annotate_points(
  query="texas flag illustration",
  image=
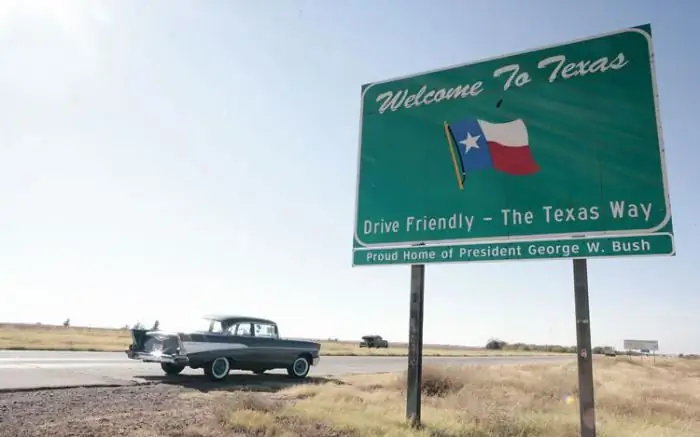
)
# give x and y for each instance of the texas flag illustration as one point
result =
(482, 145)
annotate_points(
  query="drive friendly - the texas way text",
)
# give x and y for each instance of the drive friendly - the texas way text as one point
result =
(618, 209)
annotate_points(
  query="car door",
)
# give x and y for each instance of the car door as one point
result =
(268, 351)
(240, 335)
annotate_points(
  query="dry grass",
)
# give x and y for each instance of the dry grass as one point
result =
(634, 398)
(49, 337)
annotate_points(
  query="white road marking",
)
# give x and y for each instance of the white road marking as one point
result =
(36, 360)
(29, 366)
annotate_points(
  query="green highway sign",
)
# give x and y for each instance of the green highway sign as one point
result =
(649, 244)
(556, 143)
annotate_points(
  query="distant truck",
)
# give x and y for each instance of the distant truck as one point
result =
(374, 341)
(610, 351)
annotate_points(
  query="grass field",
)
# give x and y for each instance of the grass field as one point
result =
(633, 398)
(50, 337)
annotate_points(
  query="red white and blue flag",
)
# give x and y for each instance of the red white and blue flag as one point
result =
(482, 145)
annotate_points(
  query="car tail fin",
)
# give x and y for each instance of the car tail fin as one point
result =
(138, 340)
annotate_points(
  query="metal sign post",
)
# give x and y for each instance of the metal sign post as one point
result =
(415, 345)
(583, 342)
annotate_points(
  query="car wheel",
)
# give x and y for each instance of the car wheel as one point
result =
(171, 369)
(218, 369)
(299, 368)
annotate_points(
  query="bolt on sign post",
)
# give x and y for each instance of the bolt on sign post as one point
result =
(554, 153)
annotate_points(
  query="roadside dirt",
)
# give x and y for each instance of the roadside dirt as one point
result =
(187, 407)
(138, 411)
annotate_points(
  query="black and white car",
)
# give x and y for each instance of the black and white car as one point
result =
(230, 343)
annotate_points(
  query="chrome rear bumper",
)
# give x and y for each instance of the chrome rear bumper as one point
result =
(154, 357)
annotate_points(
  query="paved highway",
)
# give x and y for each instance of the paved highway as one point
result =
(35, 369)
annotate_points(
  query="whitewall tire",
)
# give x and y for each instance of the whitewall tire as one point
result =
(299, 368)
(218, 369)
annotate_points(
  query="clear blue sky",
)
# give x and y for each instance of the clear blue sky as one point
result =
(169, 159)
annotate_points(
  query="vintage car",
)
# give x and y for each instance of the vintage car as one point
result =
(370, 341)
(230, 343)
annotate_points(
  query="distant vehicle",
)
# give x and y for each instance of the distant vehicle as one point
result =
(230, 343)
(374, 341)
(610, 352)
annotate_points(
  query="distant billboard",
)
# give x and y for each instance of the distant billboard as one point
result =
(652, 345)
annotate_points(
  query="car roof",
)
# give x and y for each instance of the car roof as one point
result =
(229, 318)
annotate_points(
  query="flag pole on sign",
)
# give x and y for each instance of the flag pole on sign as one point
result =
(458, 174)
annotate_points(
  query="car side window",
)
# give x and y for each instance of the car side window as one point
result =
(242, 329)
(265, 330)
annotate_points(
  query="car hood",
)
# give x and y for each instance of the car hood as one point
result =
(306, 343)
